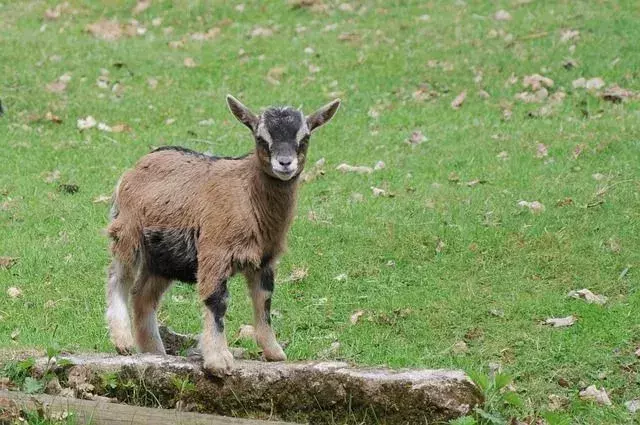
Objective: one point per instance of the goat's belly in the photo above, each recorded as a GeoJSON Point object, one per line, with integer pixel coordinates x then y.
{"type": "Point", "coordinates": [171, 253]}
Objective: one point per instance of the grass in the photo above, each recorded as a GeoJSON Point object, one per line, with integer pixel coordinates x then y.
{"type": "Point", "coordinates": [419, 301]}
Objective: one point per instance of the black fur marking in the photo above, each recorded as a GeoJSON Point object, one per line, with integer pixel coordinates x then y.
{"type": "Point", "coordinates": [283, 124]}
{"type": "Point", "coordinates": [217, 304]}
{"type": "Point", "coordinates": [172, 253]}
{"type": "Point", "coordinates": [187, 151]}
{"type": "Point", "coordinates": [266, 283]}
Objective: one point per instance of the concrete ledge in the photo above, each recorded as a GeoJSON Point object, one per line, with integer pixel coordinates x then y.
{"type": "Point", "coordinates": [316, 392]}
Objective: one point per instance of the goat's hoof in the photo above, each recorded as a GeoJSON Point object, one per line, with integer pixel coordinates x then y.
{"type": "Point", "coordinates": [125, 350]}
{"type": "Point", "coordinates": [219, 363]}
{"type": "Point", "coordinates": [274, 354]}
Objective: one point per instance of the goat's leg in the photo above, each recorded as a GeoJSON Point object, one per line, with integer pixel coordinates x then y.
{"type": "Point", "coordinates": [146, 295]}
{"type": "Point", "coordinates": [213, 343]}
{"type": "Point", "coordinates": [261, 285]}
{"type": "Point", "coordinates": [119, 281]}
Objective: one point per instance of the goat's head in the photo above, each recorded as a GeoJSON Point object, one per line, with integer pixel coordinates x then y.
{"type": "Point", "coordinates": [282, 135]}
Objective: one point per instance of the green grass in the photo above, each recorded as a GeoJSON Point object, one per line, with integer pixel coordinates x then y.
{"type": "Point", "coordinates": [496, 255]}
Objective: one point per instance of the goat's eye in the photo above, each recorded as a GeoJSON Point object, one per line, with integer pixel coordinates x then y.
{"type": "Point", "coordinates": [262, 143]}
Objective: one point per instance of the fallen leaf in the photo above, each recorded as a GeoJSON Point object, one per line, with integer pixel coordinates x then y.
{"type": "Point", "coordinates": [102, 199]}
{"type": "Point", "coordinates": [577, 150]}
{"type": "Point", "coordinates": [261, 32]}
{"type": "Point", "coordinates": [379, 166]}
{"type": "Point", "coordinates": [332, 351]}
{"type": "Point", "coordinates": [141, 6]}
{"type": "Point", "coordinates": [502, 15]}
{"type": "Point", "coordinates": [15, 334]}
{"type": "Point", "coordinates": [599, 396]}
{"type": "Point", "coordinates": [53, 118]}
{"type": "Point", "coordinates": [246, 332]}
{"type": "Point", "coordinates": [440, 245]}
{"type": "Point", "coordinates": [298, 274]}
{"type": "Point", "coordinates": [169, 121]}
{"type": "Point", "coordinates": [275, 75]}
{"type": "Point", "coordinates": [557, 402]}
{"type": "Point", "coordinates": [104, 127]}
{"type": "Point", "coordinates": [496, 312]}
{"type": "Point", "coordinates": [569, 35]}
{"type": "Point", "coordinates": [460, 347]}
{"type": "Point", "coordinates": [632, 406]}
{"type": "Point", "coordinates": [378, 192]}
{"type": "Point", "coordinates": [153, 83]}
{"type": "Point", "coordinates": [176, 44]}
{"type": "Point", "coordinates": [424, 18]}
{"type": "Point", "coordinates": [356, 316]}
{"type": "Point", "coordinates": [588, 296]}
{"type": "Point", "coordinates": [536, 82]}
{"type": "Point", "coordinates": [541, 150]}
{"type": "Point", "coordinates": [503, 156]}
{"type": "Point", "coordinates": [58, 86]}
{"type": "Point", "coordinates": [579, 83]}
{"type": "Point", "coordinates": [52, 176]}
{"type": "Point", "coordinates": [614, 245]}
{"type": "Point", "coordinates": [453, 177]}
{"type": "Point", "coordinates": [7, 262]}
{"type": "Point", "coordinates": [108, 30]}
{"type": "Point", "coordinates": [14, 292]}
{"type": "Point", "coordinates": [459, 100]}
{"type": "Point", "coordinates": [484, 94]}
{"type": "Point", "coordinates": [121, 128]}
{"type": "Point", "coordinates": [86, 123]}
{"type": "Point", "coordinates": [560, 322]}
{"type": "Point", "coordinates": [535, 206]}
{"type": "Point", "coordinates": [204, 36]}
{"type": "Point", "coordinates": [569, 63]}
{"type": "Point", "coordinates": [416, 138]}
{"type": "Point", "coordinates": [617, 94]}
{"type": "Point", "coordinates": [189, 63]}
{"type": "Point", "coordinates": [637, 353]}
{"type": "Point", "coordinates": [346, 168]}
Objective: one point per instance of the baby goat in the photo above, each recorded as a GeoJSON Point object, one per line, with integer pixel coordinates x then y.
{"type": "Point", "coordinates": [182, 215]}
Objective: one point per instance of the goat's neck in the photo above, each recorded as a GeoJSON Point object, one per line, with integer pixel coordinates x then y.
{"type": "Point", "coordinates": [274, 201]}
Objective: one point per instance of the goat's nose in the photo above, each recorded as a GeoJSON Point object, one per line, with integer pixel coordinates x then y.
{"type": "Point", "coordinates": [285, 162]}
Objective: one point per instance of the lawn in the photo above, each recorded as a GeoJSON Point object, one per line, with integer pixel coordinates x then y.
{"type": "Point", "coordinates": [445, 269]}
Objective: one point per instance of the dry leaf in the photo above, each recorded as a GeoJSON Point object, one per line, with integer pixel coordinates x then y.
{"type": "Point", "coordinates": [503, 156]}
{"type": "Point", "coordinates": [617, 94]}
{"type": "Point", "coordinates": [632, 406]}
{"type": "Point", "coordinates": [52, 118]}
{"type": "Point", "coordinates": [537, 81]}
{"type": "Point", "coordinates": [568, 35]}
{"type": "Point", "coordinates": [599, 396]}
{"type": "Point", "coordinates": [314, 172]}
{"type": "Point", "coordinates": [594, 83]}
{"type": "Point", "coordinates": [121, 128]}
{"type": "Point", "coordinates": [141, 6]}
{"type": "Point", "coordinates": [541, 150]}
{"type": "Point", "coordinates": [14, 292]}
{"type": "Point", "coordinates": [108, 30]}
{"type": "Point", "coordinates": [560, 322]}
{"type": "Point", "coordinates": [440, 245]}
{"type": "Point", "coordinates": [102, 199]}
{"type": "Point", "coordinates": [535, 206]}
{"type": "Point", "coordinates": [204, 36]}
{"type": "Point", "coordinates": [275, 74]}
{"type": "Point", "coordinates": [86, 123]}
{"type": "Point", "coordinates": [246, 332]}
{"type": "Point", "coordinates": [153, 83]}
{"type": "Point", "coordinates": [356, 316]}
{"type": "Point", "coordinates": [261, 32]}
{"type": "Point", "coordinates": [104, 127]}
{"type": "Point", "coordinates": [378, 192]}
{"type": "Point", "coordinates": [557, 402]}
{"type": "Point", "coordinates": [379, 166]}
{"type": "Point", "coordinates": [459, 100]}
{"type": "Point", "coordinates": [298, 274]}
{"type": "Point", "coordinates": [416, 138]}
{"type": "Point", "coordinates": [588, 296]}
{"type": "Point", "coordinates": [60, 85]}
{"type": "Point", "coordinates": [341, 277]}
{"type": "Point", "coordinates": [346, 168]}
{"type": "Point", "coordinates": [15, 334]}
{"type": "Point", "coordinates": [460, 347]}
{"type": "Point", "coordinates": [169, 121]}
{"type": "Point", "coordinates": [52, 176]}
{"type": "Point", "coordinates": [7, 262]}
{"type": "Point", "coordinates": [502, 15]}
{"type": "Point", "coordinates": [189, 63]}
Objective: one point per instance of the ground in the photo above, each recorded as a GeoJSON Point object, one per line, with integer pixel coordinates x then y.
{"type": "Point", "coordinates": [445, 256]}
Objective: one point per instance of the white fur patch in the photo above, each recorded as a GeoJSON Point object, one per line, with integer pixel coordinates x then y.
{"type": "Point", "coordinates": [264, 133]}
{"type": "Point", "coordinates": [303, 130]}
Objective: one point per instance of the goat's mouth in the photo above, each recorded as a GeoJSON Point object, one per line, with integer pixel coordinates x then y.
{"type": "Point", "coordinates": [284, 174]}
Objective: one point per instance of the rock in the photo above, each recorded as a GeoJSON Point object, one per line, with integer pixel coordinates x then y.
{"type": "Point", "coordinates": [599, 396]}
{"type": "Point", "coordinates": [312, 391]}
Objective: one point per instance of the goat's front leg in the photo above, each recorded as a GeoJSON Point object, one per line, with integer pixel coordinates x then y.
{"type": "Point", "coordinates": [261, 285]}
{"type": "Point", "coordinates": [213, 343]}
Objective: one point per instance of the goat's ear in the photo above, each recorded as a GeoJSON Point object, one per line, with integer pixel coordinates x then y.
{"type": "Point", "coordinates": [242, 113]}
{"type": "Point", "coordinates": [322, 115]}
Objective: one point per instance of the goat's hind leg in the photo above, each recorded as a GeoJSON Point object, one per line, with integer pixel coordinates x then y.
{"type": "Point", "coordinates": [119, 281]}
{"type": "Point", "coordinates": [147, 292]}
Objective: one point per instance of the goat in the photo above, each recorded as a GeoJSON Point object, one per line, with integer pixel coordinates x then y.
{"type": "Point", "coordinates": [183, 215]}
